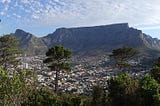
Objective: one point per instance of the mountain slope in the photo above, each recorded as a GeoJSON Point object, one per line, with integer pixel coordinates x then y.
{"type": "Point", "coordinates": [98, 38]}
{"type": "Point", "coordinates": [89, 40]}
{"type": "Point", "coordinates": [29, 43]}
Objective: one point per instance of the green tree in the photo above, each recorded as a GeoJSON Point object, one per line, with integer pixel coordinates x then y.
{"type": "Point", "coordinates": [122, 55]}
{"type": "Point", "coordinates": [122, 90]}
{"type": "Point", "coordinates": [155, 73]}
{"type": "Point", "coordinates": [97, 95]}
{"type": "Point", "coordinates": [14, 89]}
{"type": "Point", "coordinates": [157, 63]}
{"type": "Point", "coordinates": [57, 57]}
{"type": "Point", "coordinates": [86, 101]}
{"type": "Point", "coordinates": [8, 52]}
{"type": "Point", "coordinates": [149, 91]}
{"type": "Point", "coordinates": [46, 97]}
{"type": "Point", "coordinates": [42, 97]}
{"type": "Point", "coordinates": [70, 100]}
{"type": "Point", "coordinates": [156, 99]}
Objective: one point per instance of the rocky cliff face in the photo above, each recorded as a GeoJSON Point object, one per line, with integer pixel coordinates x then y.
{"type": "Point", "coordinates": [98, 38]}
{"type": "Point", "coordinates": [151, 42]}
{"type": "Point", "coordinates": [88, 39]}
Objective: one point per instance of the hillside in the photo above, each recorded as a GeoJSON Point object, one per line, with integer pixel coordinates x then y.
{"type": "Point", "coordinates": [89, 40]}
{"type": "Point", "coordinates": [30, 44]}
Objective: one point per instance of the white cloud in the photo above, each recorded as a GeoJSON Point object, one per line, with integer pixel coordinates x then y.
{"type": "Point", "coordinates": [25, 1]}
{"type": "Point", "coordinates": [16, 15]}
{"type": "Point", "coordinates": [94, 12]}
{"type": "Point", "coordinates": [87, 12]}
{"type": "Point", "coordinates": [5, 7]}
{"type": "Point", "coordinates": [2, 13]}
{"type": "Point", "coordinates": [34, 16]}
{"type": "Point", "coordinates": [7, 1]}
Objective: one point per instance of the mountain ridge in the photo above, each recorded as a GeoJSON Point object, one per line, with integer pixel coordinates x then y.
{"type": "Point", "coordinates": [29, 43]}
{"type": "Point", "coordinates": [103, 38]}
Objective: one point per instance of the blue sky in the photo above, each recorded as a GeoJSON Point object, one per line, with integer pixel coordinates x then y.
{"type": "Point", "coordinates": [41, 17]}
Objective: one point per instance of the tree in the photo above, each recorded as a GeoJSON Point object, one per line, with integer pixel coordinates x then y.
{"type": "Point", "coordinates": [149, 91]}
{"type": "Point", "coordinates": [122, 55]}
{"type": "Point", "coordinates": [157, 63]}
{"type": "Point", "coordinates": [42, 97]}
{"type": "Point", "coordinates": [8, 52]}
{"type": "Point", "coordinates": [57, 57]}
{"type": "Point", "coordinates": [46, 97]}
{"type": "Point", "coordinates": [15, 89]}
{"type": "Point", "coordinates": [122, 90]}
{"type": "Point", "coordinates": [97, 95]}
{"type": "Point", "coordinates": [155, 73]}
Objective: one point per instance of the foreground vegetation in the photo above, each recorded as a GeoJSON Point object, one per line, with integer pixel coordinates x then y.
{"type": "Point", "coordinates": [21, 88]}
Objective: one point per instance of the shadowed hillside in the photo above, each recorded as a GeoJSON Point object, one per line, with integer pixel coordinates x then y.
{"type": "Point", "coordinates": [89, 40]}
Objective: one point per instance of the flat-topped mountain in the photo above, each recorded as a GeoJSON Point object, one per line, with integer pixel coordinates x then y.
{"type": "Point", "coordinates": [88, 40]}
{"type": "Point", "coordinates": [98, 38]}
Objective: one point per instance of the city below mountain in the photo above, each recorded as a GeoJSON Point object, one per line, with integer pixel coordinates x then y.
{"type": "Point", "coordinates": [89, 40]}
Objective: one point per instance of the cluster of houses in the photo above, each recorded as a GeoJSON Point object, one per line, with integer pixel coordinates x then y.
{"type": "Point", "coordinates": [86, 72]}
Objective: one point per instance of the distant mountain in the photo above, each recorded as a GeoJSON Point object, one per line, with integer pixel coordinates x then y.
{"type": "Point", "coordinates": [89, 40]}
{"type": "Point", "coordinates": [29, 43]}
